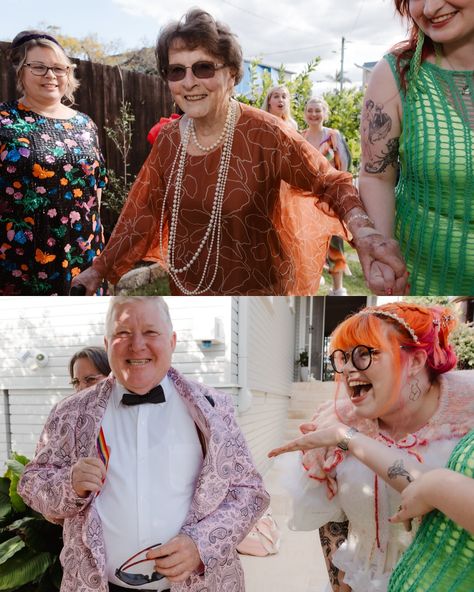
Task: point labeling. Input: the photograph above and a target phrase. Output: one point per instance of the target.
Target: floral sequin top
(50, 173)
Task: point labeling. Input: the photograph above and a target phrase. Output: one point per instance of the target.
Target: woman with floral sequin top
(51, 175)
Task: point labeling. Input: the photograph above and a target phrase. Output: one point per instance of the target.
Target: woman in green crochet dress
(441, 556)
(418, 129)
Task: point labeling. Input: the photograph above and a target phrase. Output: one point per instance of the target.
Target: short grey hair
(158, 301)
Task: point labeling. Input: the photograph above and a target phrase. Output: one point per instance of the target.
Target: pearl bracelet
(360, 217)
(344, 443)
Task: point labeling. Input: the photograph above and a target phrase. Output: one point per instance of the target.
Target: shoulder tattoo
(389, 156)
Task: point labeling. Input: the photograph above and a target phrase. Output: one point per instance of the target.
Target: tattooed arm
(380, 130)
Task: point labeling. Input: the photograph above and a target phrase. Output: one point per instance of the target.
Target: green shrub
(462, 339)
(29, 544)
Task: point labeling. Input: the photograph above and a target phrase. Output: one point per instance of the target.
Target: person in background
(402, 411)
(207, 194)
(330, 143)
(148, 470)
(304, 230)
(417, 132)
(52, 174)
(87, 367)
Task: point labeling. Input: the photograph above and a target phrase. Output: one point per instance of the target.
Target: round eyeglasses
(42, 69)
(360, 356)
(177, 72)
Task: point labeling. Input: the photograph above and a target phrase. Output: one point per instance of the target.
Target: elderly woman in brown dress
(206, 194)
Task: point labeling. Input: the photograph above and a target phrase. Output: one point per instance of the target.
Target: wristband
(344, 443)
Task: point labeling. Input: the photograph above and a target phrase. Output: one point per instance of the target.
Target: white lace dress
(374, 546)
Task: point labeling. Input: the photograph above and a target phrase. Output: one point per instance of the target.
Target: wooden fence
(100, 95)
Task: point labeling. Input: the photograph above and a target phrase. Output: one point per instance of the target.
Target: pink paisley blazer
(229, 496)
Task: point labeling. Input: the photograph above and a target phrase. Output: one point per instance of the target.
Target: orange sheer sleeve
(137, 229)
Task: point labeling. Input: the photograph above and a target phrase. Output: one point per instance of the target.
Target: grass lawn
(354, 284)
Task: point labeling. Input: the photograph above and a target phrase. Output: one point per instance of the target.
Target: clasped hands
(382, 263)
(176, 559)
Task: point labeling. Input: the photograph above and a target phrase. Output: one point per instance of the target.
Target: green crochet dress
(441, 557)
(435, 193)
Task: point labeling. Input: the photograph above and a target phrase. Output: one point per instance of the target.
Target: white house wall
(267, 326)
(61, 326)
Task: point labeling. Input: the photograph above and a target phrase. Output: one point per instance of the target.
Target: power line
(264, 18)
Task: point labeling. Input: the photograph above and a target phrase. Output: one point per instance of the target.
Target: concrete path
(299, 566)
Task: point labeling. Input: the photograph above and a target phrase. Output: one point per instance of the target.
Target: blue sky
(278, 31)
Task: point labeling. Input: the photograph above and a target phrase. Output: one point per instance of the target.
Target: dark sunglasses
(176, 72)
(360, 356)
(137, 579)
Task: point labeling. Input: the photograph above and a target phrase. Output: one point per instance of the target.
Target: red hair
(406, 49)
(431, 325)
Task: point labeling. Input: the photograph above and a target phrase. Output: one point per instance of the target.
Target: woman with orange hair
(402, 412)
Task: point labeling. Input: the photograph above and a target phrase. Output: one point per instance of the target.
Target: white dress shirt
(155, 459)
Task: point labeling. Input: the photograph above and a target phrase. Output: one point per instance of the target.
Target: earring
(415, 390)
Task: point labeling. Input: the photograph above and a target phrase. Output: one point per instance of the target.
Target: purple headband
(34, 36)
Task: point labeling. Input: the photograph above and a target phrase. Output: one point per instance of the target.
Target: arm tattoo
(398, 470)
(390, 157)
(332, 535)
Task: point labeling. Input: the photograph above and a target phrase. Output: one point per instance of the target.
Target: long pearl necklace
(213, 232)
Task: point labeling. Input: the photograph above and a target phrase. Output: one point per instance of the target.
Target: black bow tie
(156, 395)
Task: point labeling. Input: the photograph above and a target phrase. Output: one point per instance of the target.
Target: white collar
(118, 391)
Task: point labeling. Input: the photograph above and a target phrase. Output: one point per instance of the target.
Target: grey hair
(18, 57)
(158, 301)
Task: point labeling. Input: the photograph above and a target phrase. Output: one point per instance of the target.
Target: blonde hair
(19, 52)
(319, 101)
(158, 301)
(287, 114)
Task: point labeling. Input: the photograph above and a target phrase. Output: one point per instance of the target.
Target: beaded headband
(395, 317)
(27, 38)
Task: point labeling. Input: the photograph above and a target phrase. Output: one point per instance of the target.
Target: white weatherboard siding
(266, 344)
(60, 326)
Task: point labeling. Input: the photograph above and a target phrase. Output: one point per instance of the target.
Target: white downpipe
(310, 336)
(245, 394)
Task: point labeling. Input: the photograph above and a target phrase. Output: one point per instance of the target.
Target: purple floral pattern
(50, 171)
(228, 500)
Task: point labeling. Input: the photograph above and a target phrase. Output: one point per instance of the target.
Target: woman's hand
(90, 279)
(383, 265)
(414, 499)
(319, 438)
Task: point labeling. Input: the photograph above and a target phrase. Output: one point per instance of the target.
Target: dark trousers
(115, 588)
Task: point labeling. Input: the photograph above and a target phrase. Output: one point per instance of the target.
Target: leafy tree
(345, 110)
(300, 88)
(86, 48)
(29, 544)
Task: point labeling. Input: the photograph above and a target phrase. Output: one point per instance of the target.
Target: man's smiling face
(140, 345)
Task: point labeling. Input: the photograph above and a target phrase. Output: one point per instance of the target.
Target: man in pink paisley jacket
(146, 463)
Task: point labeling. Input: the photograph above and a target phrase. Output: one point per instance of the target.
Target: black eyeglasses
(176, 72)
(360, 356)
(42, 69)
(133, 579)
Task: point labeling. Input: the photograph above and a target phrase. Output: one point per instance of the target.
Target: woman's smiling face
(444, 22)
(376, 391)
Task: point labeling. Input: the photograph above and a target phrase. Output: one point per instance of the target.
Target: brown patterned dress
(252, 260)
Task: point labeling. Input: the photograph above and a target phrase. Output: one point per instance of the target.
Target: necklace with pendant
(212, 237)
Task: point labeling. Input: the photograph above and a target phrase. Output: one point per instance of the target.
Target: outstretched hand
(383, 265)
(318, 438)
